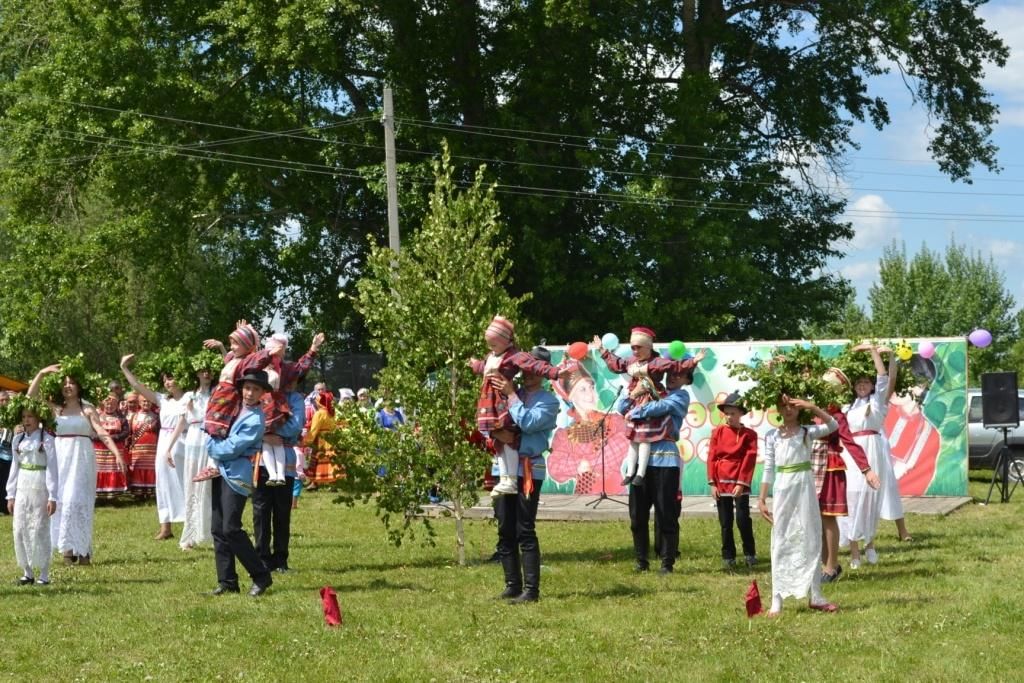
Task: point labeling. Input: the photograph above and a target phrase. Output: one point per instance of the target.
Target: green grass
(943, 608)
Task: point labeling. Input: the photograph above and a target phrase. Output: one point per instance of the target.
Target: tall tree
(426, 309)
(646, 153)
(947, 295)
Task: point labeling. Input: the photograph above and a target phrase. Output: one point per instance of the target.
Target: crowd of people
(202, 448)
(198, 446)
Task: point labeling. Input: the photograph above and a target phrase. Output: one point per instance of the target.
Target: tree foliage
(945, 295)
(426, 309)
(170, 167)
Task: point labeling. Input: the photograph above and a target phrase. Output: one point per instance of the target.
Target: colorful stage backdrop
(928, 435)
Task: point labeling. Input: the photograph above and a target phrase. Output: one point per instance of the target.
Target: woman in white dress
(866, 417)
(77, 422)
(796, 515)
(32, 495)
(198, 503)
(170, 462)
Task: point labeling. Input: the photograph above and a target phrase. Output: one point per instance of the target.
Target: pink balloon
(980, 338)
(926, 349)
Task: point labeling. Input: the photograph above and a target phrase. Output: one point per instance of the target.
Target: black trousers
(272, 520)
(517, 532)
(725, 519)
(5, 471)
(660, 487)
(230, 541)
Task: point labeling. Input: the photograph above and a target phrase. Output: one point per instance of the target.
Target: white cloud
(874, 223)
(1003, 251)
(1008, 22)
(863, 272)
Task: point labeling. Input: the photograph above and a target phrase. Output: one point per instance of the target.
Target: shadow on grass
(618, 590)
(349, 587)
(882, 572)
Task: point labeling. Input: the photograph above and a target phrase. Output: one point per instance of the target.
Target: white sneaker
(871, 556)
(854, 564)
(506, 487)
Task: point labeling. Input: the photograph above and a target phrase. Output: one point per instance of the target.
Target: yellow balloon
(904, 353)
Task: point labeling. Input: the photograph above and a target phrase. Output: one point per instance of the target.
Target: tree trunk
(460, 533)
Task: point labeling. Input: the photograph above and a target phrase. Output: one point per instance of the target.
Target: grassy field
(943, 608)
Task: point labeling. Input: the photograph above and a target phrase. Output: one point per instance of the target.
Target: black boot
(531, 578)
(669, 552)
(641, 545)
(513, 577)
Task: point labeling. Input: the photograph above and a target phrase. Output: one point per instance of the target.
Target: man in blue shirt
(534, 411)
(661, 484)
(233, 457)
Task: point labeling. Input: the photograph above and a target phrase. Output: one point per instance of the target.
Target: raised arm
(33, 388)
(138, 386)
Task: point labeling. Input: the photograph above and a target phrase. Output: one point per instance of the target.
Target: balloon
(578, 350)
(610, 342)
(904, 353)
(926, 349)
(676, 350)
(624, 352)
(980, 338)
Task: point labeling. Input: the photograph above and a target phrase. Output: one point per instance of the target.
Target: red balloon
(578, 350)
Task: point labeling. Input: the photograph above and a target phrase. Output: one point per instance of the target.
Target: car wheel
(1016, 470)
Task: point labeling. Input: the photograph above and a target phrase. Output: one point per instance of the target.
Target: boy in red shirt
(731, 460)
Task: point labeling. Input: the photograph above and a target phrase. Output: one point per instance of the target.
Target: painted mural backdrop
(927, 433)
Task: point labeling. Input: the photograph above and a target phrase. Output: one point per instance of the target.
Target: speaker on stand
(1000, 410)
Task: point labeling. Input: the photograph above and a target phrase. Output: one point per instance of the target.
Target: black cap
(541, 353)
(256, 377)
(733, 400)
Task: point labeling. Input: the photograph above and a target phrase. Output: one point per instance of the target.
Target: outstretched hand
(318, 340)
(127, 360)
(213, 344)
(595, 343)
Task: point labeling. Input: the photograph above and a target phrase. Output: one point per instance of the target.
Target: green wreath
(10, 413)
(855, 364)
(207, 360)
(172, 361)
(796, 372)
(93, 387)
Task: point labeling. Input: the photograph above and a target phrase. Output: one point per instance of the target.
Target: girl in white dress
(796, 517)
(32, 497)
(170, 453)
(198, 503)
(77, 422)
(866, 417)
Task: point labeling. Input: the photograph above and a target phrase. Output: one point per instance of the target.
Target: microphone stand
(604, 493)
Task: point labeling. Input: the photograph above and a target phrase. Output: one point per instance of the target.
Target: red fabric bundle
(332, 610)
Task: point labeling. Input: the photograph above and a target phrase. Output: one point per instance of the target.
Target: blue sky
(901, 148)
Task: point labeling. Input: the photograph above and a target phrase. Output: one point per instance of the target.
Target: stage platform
(582, 508)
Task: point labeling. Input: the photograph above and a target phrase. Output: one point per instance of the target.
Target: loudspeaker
(999, 403)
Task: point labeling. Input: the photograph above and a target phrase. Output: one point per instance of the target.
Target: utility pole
(390, 171)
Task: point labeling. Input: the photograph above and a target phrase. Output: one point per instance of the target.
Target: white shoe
(854, 564)
(871, 556)
(506, 487)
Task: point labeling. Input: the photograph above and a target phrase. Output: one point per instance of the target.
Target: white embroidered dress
(198, 503)
(170, 484)
(71, 525)
(796, 534)
(866, 504)
(32, 483)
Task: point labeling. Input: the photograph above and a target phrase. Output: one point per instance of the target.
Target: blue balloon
(687, 356)
(610, 342)
(624, 352)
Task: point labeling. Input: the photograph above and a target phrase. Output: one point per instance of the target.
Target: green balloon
(676, 350)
